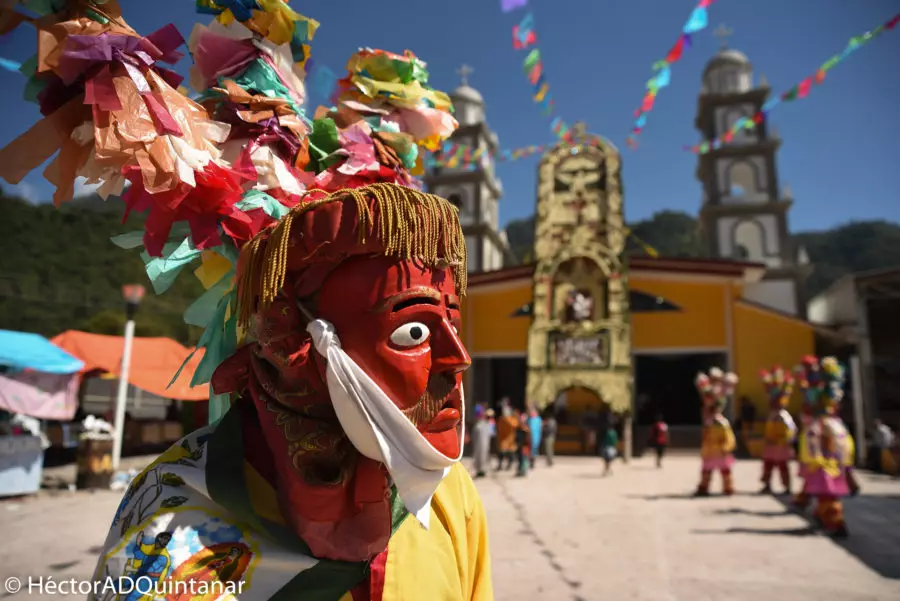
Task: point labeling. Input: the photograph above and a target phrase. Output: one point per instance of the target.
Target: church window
(749, 236)
(641, 302)
(742, 176)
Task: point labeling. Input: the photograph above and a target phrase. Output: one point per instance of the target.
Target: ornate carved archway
(580, 334)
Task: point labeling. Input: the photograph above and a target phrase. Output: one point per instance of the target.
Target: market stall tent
(38, 380)
(154, 362)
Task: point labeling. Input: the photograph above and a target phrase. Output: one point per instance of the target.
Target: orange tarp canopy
(153, 362)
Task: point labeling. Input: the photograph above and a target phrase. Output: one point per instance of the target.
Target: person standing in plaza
(481, 442)
(659, 438)
(507, 425)
(523, 445)
(884, 443)
(535, 424)
(549, 436)
(610, 448)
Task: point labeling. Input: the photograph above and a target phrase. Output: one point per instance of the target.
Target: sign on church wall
(580, 351)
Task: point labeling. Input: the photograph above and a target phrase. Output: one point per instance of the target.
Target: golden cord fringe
(411, 226)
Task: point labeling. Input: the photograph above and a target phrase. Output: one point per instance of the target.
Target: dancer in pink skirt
(718, 438)
(780, 429)
(826, 447)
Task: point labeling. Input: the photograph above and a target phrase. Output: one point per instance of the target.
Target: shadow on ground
(870, 518)
(870, 541)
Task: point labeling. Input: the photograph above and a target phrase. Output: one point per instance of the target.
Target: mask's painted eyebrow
(420, 295)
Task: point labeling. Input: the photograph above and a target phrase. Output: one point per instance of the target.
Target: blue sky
(841, 144)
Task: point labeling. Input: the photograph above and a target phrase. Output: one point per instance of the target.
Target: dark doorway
(665, 384)
(508, 379)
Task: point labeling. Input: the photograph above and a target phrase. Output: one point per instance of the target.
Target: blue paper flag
(525, 27)
(661, 80)
(323, 81)
(698, 20)
(11, 66)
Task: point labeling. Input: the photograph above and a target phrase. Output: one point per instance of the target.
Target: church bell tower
(474, 189)
(745, 211)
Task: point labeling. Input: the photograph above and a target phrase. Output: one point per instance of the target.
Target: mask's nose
(448, 355)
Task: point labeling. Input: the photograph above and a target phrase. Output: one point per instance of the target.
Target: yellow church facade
(686, 315)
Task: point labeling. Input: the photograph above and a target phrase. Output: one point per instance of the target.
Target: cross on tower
(723, 33)
(579, 132)
(464, 73)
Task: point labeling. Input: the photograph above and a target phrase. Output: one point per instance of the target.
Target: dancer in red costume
(780, 430)
(332, 303)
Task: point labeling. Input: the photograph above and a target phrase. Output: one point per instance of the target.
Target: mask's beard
(432, 401)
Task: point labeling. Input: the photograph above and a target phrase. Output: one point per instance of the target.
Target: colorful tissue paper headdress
(822, 383)
(111, 110)
(212, 174)
(264, 203)
(715, 388)
(779, 384)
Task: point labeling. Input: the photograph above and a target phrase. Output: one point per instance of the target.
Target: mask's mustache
(432, 401)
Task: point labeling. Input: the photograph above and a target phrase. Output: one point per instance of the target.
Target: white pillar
(122, 396)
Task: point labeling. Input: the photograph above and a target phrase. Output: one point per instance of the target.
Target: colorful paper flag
(531, 60)
(535, 74)
(542, 92)
(676, 51)
(802, 89)
(521, 42)
(511, 5)
(698, 20)
(11, 66)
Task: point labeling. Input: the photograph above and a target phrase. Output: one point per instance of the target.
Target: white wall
(473, 258)
(835, 306)
(777, 294)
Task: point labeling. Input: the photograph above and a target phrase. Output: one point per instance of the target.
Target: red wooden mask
(400, 322)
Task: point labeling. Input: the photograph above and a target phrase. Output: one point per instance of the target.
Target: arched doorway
(580, 414)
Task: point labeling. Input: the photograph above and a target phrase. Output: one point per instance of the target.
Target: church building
(590, 333)
(745, 210)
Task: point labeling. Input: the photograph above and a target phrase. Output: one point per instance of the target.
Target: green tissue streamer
(202, 310)
(257, 199)
(162, 271)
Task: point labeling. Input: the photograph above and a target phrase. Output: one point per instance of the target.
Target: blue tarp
(20, 351)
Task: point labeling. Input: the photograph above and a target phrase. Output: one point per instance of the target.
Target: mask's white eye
(413, 333)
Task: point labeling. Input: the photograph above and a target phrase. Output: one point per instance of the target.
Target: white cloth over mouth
(377, 427)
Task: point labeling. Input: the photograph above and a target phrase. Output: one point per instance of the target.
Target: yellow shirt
(718, 438)
(448, 562)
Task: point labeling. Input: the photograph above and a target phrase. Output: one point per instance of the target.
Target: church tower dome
(468, 103)
(729, 71)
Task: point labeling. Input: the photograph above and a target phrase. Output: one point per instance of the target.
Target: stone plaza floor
(568, 534)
